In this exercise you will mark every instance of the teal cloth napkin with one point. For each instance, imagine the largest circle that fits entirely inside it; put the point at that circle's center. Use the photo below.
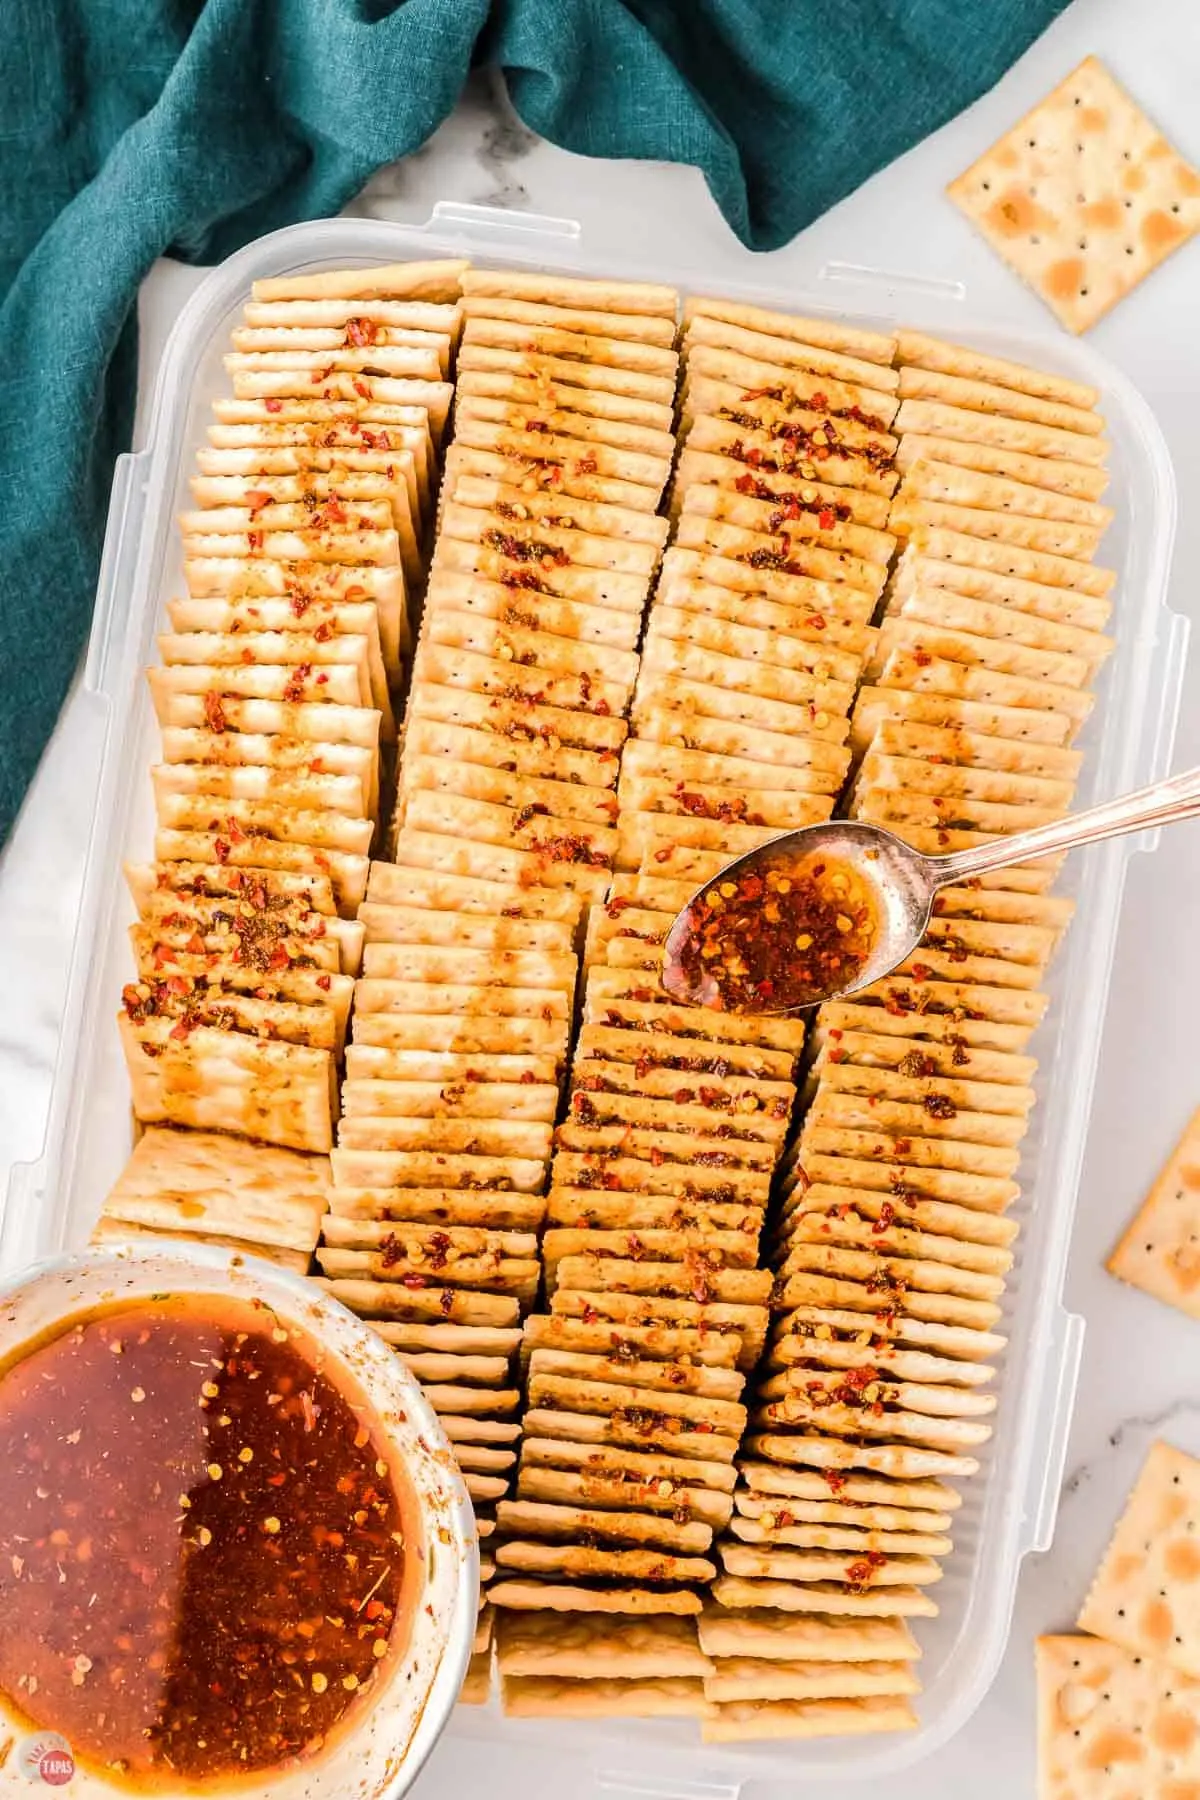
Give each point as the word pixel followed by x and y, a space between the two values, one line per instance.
pixel 134 128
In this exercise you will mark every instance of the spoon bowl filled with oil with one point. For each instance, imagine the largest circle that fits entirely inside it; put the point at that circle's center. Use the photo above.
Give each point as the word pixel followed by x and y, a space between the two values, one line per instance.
pixel 833 908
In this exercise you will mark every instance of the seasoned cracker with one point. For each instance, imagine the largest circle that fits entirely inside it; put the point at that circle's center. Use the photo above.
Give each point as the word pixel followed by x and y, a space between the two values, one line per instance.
pixel 769 1563
pixel 555 1523
pixel 438 281
pixel 738 1721
pixel 802 1536
pixel 590 1646
pixel 599 1697
pixel 477 1683
pixel 804 1638
pixel 746 1679
pixel 566 1597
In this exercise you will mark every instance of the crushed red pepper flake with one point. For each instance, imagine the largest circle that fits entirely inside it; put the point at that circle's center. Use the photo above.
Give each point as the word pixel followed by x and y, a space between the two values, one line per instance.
pixel 783 933
pixel 862 1571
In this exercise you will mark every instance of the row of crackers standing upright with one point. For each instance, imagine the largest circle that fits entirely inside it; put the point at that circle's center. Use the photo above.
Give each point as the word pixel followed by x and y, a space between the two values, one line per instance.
pixel 893 1244
pixel 504 835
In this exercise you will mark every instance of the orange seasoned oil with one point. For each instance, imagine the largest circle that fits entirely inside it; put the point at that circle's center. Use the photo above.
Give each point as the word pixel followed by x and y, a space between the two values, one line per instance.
pixel 202 1545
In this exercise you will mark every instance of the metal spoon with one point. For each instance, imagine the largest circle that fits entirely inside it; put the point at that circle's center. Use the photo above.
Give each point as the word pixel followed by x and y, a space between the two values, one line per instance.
pixel 905 882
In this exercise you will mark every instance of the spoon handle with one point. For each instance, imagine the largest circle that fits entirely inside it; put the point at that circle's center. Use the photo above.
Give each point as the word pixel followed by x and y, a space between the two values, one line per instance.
pixel 1164 803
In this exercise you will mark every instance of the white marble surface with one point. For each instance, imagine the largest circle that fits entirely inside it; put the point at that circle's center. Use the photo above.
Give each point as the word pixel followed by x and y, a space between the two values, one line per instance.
pixel 1141 1372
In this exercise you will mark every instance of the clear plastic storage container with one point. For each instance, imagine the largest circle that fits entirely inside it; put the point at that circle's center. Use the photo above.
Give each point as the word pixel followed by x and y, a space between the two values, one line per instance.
pixel 1009 1507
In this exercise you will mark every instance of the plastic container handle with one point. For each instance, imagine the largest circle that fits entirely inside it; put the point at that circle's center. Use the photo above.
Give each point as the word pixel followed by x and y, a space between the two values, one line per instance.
pixel 20 1206
pixel 1170 664
pixel 122 540
pixel 892 283
pixel 484 224
pixel 617 1784
pixel 1052 1432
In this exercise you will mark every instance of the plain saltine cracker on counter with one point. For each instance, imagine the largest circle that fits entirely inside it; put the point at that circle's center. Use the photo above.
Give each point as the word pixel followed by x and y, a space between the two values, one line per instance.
pixel 1146 1595
pixel 1160 1251
pixel 1083 198
pixel 1111 1724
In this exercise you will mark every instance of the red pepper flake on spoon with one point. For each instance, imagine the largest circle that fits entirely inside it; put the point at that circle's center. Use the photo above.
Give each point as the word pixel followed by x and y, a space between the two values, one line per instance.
pixel 782 934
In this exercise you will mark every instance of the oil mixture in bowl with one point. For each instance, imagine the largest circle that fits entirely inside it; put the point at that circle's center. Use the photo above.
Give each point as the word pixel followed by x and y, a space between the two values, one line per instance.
pixel 204 1553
